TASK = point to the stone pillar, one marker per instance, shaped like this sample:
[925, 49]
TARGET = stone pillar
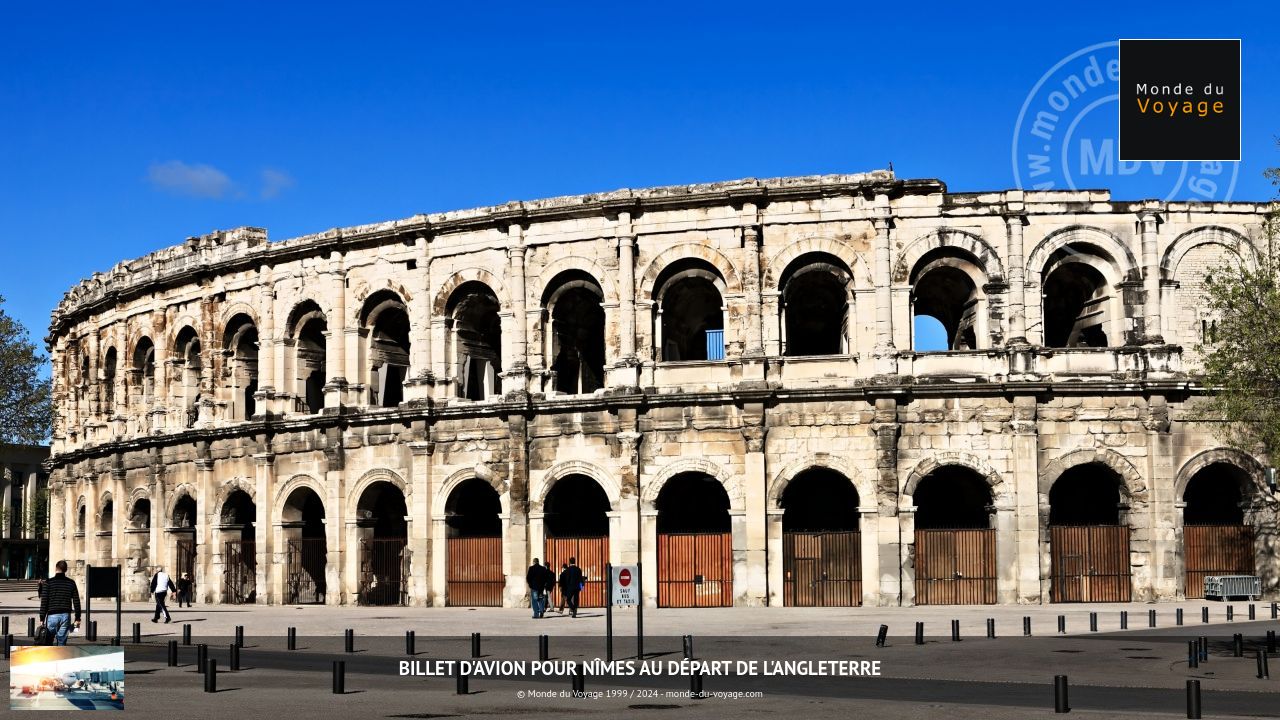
[339, 348]
[421, 557]
[1164, 518]
[886, 355]
[6, 501]
[418, 384]
[775, 572]
[627, 293]
[269, 578]
[341, 569]
[1149, 218]
[1025, 478]
[208, 554]
[628, 540]
[57, 519]
[158, 538]
[756, 479]
[91, 551]
[751, 286]
[119, 520]
[1016, 305]
[906, 551]
[869, 528]
[517, 362]
[1006, 524]
[270, 355]
[518, 509]
[892, 534]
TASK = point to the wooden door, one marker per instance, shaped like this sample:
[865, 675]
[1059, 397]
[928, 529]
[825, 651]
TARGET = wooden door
[822, 569]
[474, 576]
[592, 554]
[695, 570]
[956, 566]
[1216, 550]
[1090, 563]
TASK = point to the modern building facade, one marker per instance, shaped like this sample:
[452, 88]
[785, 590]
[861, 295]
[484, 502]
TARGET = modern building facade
[724, 382]
[24, 512]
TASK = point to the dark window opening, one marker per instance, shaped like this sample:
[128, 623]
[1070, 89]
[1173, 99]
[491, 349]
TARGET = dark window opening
[144, 369]
[239, 509]
[953, 497]
[184, 512]
[477, 331]
[311, 361]
[693, 503]
[1213, 496]
[1076, 306]
[819, 500]
[472, 510]
[1085, 495]
[190, 366]
[388, 349]
[242, 372]
[692, 314]
[576, 506]
[948, 295]
[107, 517]
[577, 337]
[109, 382]
[140, 518]
[815, 300]
[382, 505]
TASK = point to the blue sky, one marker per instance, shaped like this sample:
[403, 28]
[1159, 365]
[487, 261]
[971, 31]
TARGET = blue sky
[126, 128]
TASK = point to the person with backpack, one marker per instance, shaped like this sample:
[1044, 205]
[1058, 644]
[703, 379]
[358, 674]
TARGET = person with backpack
[162, 585]
[571, 583]
[60, 599]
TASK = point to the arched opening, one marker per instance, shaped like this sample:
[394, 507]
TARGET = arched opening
[576, 518]
[385, 321]
[239, 548]
[955, 553]
[821, 545]
[816, 306]
[240, 343]
[1078, 300]
[309, 331]
[109, 363]
[695, 543]
[106, 527]
[142, 374]
[476, 332]
[1216, 539]
[183, 530]
[303, 526]
[690, 322]
[382, 530]
[474, 574]
[574, 328]
[188, 368]
[1088, 542]
[945, 288]
[140, 517]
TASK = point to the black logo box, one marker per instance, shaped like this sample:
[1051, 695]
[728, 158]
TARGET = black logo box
[1161, 77]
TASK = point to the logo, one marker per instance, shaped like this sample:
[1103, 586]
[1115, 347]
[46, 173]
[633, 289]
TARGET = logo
[1067, 138]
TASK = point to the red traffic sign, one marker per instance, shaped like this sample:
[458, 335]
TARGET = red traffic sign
[624, 577]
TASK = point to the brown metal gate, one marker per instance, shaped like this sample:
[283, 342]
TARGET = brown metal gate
[384, 571]
[695, 570]
[239, 571]
[474, 574]
[592, 553]
[304, 581]
[956, 567]
[185, 561]
[822, 569]
[1216, 550]
[1090, 563]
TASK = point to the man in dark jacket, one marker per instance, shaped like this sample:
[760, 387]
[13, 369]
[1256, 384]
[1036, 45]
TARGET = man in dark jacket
[61, 598]
[537, 581]
[161, 586]
[571, 582]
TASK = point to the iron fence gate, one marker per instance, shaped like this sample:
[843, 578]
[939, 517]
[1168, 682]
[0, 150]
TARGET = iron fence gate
[305, 567]
[384, 571]
[1090, 563]
[1216, 550]
[591, 553]
[239, 571]
[185, 559]
[822, 569]
[695, 570]
[474, 576]
[956, 567]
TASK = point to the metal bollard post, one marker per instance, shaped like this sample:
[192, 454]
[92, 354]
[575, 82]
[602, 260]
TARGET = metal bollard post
[1026, 625]
[293, 638]
[173, 653]
[991, 627]
[1271, 641]
[211, 676]
[137, 633]
[1204, 649]
[695, 683]
[475, 645]
[880, 636]
[350, 640]
[955, 631]
[92, 634]
[688, 647]
[409, 641]
[1253, 612]
[239, 636]
[1275, 609]
[1151, 618]
[1204, 614]
[339, 677]
[1179, 614]
[234, 660]
[1231, 613]
[1093, 622]
[31, 627]
[1237, 645]
[919, 633]
[1193, 654]
[4, 625]
[463, 682]
[1062, 624]
[579, 679]
[1060, 704]
[1193, 698]
[1124, 619]
[544, 647]
[186, 634]
[8, 640]
[1263, 671]
[202, 657]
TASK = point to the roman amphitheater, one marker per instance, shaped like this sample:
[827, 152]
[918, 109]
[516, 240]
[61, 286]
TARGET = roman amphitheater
[726, 382]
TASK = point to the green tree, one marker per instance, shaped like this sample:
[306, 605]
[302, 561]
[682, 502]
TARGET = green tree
[26, 410]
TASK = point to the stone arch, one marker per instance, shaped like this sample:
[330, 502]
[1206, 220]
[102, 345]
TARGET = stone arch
[982, 251]
[227, 488]
[171, 503]
[1001, 491]
[572, 262]
[1133, 486]
[176, 329]
[1121, 255]
[1242, 460]
[1205, 235]
[239, 307]
[731, 483]
[300, 310]
[560, 470]
[286, 489]
[363, 291]
[814, 461]
[816, 244]
[371, 477]
[458, 477]
[105, 498]
[465, 275]
[706, 253]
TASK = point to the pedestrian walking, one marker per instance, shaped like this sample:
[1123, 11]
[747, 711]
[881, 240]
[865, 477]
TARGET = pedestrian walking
[537, 582]
[185, 587]
[572, 581]
[161, 585]
[61, 598]
[563, 568]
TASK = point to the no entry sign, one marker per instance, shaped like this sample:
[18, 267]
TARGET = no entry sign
[625, 579]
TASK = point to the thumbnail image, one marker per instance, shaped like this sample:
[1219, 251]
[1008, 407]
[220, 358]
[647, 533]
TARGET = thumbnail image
[68, 677]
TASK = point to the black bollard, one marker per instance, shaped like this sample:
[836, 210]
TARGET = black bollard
[1231, 613]
[991, 627]
[293, 638]
[1263, 671]
[919, 633]
[1062, 624]
[1124, 619]
[173, 653]
[1271, 642]
[955, 631]
[1237, 645]
[579, 679]
[1193, 698]
[475, 645]
[4, 625]
[234, 661]
[137, 633]
[1179, 614]
[463, 682]
[8, 640]
[1026, 625]
[1060, 704]
[695, 683]
[239, 636]
[1193, 654]
[1093, 622]
[880, 636]
[1253, 612]
[202, 655]
[1204, 614]
[339, 677]
[92, 635]
[350, 640]
[688, 647]
[31, 627]
[1275, 610]
[544, 647]
[186, 634]
[1204, 649]
[1151, 618]
[409, 639]
[211, 676]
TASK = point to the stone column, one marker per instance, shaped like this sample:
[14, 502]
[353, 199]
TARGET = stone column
[420, 540]
[869, 522]
[338, 348]
[341, 569]
[627, 292]
[269, 578]
[1163, 516]
[418, 384]
[906, 554]
[270, 357]
[517, 366]
[1025, 479]
[628, 540]
[775, 571]
[886, 360]
[91, 551]
[57, 519]
[158, 537]
[892, 534]
[1149, 217]
[207, 577]
[1006, 524]
[756, 480]
[1016, 305]
[751, 286]
[518, 493]
[6, 498]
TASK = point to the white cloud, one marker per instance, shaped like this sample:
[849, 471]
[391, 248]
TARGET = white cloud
[274, 182]
[197, 180]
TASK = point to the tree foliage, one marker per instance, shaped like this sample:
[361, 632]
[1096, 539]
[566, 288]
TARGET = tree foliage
[26, 410]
